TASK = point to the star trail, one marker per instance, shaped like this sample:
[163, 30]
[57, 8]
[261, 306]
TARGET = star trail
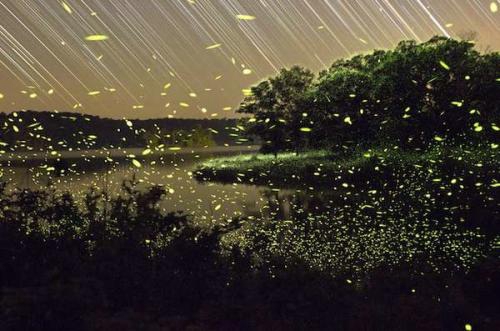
[197, 58]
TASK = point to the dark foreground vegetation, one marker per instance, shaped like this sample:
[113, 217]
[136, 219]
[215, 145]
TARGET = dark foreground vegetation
[379, 259]
[392, 226]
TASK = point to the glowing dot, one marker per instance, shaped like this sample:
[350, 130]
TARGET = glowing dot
[444, 65]
[247, 72]
[136, 163]
[493, 7]
[468, 327]
[363, 41]
[245, 17]
[93, 93]
[184, 104]
[305, 129]
[214, 46]
[66, 7]
[247, 92]
[96, 37]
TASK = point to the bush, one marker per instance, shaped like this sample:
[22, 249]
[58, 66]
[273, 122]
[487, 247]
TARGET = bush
[61, 261]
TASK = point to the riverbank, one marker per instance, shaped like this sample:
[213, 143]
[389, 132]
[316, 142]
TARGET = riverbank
[323, 168]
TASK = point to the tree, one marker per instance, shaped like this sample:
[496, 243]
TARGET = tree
[410, 96]
[425, 89]
[275, 106]
[343, 108]
[200, 137]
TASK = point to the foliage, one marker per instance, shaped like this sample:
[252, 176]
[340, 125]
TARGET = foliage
[276, 106]
[382, 222]
[409, 96]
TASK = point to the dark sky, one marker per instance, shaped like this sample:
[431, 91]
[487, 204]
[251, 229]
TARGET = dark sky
[155, 62]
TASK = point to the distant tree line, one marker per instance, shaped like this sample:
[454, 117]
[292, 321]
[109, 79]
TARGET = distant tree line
[194, 137]
[36, 131]
[415, 94]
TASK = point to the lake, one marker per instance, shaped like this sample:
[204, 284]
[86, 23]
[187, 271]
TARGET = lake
[78, 171]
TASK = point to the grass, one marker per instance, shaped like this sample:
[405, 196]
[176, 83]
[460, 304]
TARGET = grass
[323, 168]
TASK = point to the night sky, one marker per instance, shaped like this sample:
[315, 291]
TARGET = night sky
[193, 58]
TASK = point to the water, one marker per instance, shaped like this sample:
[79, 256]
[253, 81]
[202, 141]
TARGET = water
[207, 202]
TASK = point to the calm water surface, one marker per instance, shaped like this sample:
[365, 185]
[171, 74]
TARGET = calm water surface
[208, 202]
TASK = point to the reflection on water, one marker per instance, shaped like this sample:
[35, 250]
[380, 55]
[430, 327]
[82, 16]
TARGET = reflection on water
[208, 202]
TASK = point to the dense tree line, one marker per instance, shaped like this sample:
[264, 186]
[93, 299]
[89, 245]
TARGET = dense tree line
[413, 95]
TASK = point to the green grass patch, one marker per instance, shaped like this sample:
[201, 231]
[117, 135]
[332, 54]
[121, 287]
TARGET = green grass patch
[323, 168]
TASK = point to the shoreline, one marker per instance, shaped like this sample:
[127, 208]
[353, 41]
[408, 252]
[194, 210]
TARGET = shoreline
[116, 153]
